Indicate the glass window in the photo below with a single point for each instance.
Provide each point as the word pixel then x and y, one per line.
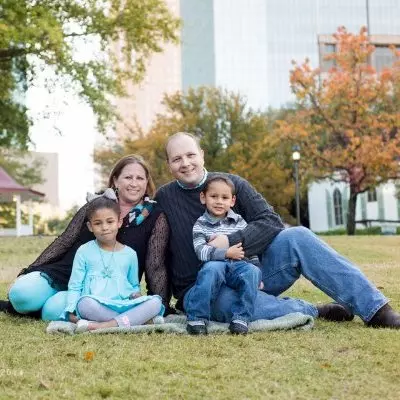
pixel 372 195
pixel 383 57
pixel 337 205
pixel 326 50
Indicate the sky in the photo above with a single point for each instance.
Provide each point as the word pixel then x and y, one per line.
pixel 66 125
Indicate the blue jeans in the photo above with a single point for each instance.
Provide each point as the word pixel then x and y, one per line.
pixel 295 252
pixel 240 276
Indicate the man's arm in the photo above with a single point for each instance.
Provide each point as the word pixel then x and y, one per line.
pixel 263 223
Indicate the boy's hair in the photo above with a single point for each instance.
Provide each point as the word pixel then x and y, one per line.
pixel 99 203
pixel 219 178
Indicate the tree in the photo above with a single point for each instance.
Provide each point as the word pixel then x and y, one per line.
pixel 348 119
pixel 234 138
pixel 47 32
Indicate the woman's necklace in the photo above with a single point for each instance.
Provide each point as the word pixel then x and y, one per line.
pixel 107 268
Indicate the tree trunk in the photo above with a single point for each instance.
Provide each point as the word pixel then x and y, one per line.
pixel 351 212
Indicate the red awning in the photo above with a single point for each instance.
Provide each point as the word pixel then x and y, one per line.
pixel 8 185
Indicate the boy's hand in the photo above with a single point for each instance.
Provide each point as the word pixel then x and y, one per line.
pixel 135 295
pixel 235 252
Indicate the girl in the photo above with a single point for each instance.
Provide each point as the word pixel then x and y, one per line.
pixel 103 290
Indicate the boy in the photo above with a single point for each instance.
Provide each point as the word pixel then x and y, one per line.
pixel 221 266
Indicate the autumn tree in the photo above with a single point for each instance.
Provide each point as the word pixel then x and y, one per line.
pixel 234 138
pixel 348 119
pixel 47 33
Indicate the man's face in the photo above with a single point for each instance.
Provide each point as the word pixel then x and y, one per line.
pixel 185 160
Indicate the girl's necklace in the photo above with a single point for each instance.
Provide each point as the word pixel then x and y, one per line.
pixel 107 268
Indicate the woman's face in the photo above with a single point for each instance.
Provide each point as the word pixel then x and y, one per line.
pixel 131 184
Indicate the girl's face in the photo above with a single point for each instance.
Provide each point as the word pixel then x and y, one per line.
pixel 131 184
pixel 104 223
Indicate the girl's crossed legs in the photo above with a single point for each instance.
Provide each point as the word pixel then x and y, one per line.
pixel 103 317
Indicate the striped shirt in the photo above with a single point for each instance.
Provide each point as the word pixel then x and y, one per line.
pixel 207 226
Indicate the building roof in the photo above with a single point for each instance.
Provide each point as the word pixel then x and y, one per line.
pixel 8 187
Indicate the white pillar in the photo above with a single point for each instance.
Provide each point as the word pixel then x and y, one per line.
pixel 30 213
pixel 17 199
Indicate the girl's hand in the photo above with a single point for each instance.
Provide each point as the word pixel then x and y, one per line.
pixel 73 318
pixel 135 295
pixel 235 252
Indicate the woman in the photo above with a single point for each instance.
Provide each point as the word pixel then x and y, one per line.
pixel 40 289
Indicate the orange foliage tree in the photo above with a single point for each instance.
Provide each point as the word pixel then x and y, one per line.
pixel 348 118
pixel 234 138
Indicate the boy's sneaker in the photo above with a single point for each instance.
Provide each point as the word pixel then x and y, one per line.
pixel 238 327
pixel 196 328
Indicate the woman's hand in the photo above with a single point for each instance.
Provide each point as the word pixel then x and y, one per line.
pixel 135 295
pixel 73 318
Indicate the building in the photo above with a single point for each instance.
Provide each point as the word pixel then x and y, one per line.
pixel 247 46
pixel 327 205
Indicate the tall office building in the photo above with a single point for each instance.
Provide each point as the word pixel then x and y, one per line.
pixel 247 46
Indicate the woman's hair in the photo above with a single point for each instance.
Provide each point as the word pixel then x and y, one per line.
pixel 132 159
pixel 219 178
pixel 100 203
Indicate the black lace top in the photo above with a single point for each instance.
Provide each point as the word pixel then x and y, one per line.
pixel 149 240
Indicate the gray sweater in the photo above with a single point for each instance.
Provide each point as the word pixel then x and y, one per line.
pixel 182 208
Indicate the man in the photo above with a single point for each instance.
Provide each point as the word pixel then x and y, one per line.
pixel 285 254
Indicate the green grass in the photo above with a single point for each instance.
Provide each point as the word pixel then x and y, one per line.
pixel 333 361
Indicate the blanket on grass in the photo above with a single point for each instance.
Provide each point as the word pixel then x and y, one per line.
pixel 177 324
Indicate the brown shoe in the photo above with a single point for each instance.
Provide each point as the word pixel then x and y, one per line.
pixel 334 312
pixel 385 317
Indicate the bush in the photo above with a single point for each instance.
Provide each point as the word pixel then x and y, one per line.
pixel 374 230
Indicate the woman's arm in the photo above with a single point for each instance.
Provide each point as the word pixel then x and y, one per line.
pixel 155 267
pixel 63 242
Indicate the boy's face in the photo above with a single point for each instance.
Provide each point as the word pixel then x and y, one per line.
pixel 218 199
pixel 104 223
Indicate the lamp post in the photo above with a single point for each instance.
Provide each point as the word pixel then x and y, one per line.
pixel 296 159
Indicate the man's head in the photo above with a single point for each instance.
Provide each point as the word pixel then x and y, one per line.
pixel 185 158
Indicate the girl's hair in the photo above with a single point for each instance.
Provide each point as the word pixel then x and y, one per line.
pixel 219 178
pixel 132 159
pixel 100 203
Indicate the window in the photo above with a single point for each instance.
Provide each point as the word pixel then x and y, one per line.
pixel 337 206
pixel 327 49
pixel 383 57
pixel 372 195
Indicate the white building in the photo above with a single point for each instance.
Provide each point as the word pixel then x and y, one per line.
pixel 328 202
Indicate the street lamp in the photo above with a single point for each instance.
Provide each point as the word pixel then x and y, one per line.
pixel 296 159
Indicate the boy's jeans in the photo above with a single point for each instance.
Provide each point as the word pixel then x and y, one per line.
pixel 295 252
pixel 240 276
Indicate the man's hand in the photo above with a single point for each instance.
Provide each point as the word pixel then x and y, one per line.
pixel 135 295
pixel 235 252
pixel 219 241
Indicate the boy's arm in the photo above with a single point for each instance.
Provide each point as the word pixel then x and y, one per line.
pixel 204 251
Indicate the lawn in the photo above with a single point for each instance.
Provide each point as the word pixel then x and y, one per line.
pixel 333 361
